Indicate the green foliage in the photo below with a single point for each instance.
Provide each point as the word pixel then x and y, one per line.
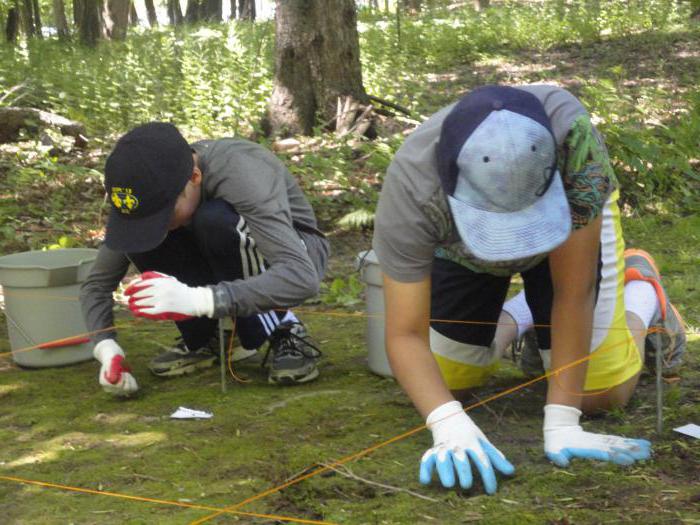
pixel 212 80
pixel 357 219
pixel 651 157
pixel 343 292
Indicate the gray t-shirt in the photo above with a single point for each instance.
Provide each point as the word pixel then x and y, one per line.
pixel 413 223
pixel 261 189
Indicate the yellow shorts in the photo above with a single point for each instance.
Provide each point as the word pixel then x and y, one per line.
pixel 466 361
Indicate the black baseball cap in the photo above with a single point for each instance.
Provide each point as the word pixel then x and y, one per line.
pixel 144 175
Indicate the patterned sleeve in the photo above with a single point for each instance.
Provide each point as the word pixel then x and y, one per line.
pixel 586 171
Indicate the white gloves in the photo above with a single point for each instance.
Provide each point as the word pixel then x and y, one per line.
pixel 456 437
pixel 564 439
pixel 158 296
pixel 115 375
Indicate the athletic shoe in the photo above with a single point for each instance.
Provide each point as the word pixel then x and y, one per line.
pixel 179 359
pixel 293 355
pixel 666 332
pixel 526 353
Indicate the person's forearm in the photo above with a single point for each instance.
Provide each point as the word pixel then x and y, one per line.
pixel 417 372
pixel 572 318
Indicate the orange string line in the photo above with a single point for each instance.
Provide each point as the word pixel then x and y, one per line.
pixel 230 356
pixel 394 439
pixel 61 340
pixel 306 311
pixel 161 501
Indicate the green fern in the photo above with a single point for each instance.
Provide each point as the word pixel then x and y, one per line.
pixel 357 219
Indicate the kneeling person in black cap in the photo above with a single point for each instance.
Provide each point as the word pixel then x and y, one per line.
pixel 219 228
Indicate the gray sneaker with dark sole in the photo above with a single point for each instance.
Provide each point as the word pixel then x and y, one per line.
pixel 292 356
pixel 180 360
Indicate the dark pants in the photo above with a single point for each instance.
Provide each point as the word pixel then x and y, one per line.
pixel 460 294
pixel 215 247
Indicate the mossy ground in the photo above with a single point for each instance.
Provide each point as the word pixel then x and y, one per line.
pixel 57 426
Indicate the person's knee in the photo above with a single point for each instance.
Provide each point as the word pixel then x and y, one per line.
pixel 605 400
pixel 215 221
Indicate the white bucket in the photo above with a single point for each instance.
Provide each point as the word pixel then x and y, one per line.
pixel 371 275
pixel 44 320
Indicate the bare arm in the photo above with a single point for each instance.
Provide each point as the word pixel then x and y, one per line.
pixel 574 268
pixel 408 344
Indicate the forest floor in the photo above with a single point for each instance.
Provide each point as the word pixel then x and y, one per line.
pixel 58 427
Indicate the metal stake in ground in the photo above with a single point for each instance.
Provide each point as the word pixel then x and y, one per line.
pixel 222 355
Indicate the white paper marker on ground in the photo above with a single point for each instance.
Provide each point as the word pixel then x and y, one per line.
pixel 190 413
pixel 690 429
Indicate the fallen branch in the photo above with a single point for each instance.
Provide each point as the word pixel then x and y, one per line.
pixel 391 105
pixel 347 473
pixel 13 119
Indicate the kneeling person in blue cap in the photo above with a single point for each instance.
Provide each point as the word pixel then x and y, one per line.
pixel 219 228
pixel 514 180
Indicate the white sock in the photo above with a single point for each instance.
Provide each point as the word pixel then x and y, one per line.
pixel 289 317
pixel 641 300
pixel 518 309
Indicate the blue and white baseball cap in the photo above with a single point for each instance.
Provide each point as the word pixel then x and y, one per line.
pixel 497 160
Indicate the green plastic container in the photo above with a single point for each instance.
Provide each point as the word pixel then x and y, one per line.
pixel 44 319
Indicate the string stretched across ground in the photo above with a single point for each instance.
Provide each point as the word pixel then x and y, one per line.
pixel 329 466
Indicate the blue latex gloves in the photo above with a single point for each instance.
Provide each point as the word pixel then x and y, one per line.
pixel 564 439
pixel 459 443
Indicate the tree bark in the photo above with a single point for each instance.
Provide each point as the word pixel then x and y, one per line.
pixel 194 11
pixel 246 10
pixel 37 19
pixel 27 17
pixel 412 6
pixel 212 10
pixel 175 13
pixel 317 61
pixel 133 15
pixel 13 119
pixel 59 15
pixel 90 22
pixel 151 11
pixel 77 12
pixel 12 26
pixel 116 18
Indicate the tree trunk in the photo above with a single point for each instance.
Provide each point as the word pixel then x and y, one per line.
pixel 232 14
pixel 77 12
pixel 90 22
pixel 116 18
pixel 480 5
pixel 194 11
pixel 37 18
pixel 12 27
pixel 246 10
pixel 59 15
pixel 412 6
pixel 151 11
pixel 27 17
pixel 175 12
pixel 317 61
pixel 133 15
pixel 212 10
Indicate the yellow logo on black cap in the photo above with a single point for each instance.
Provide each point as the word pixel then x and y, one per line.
pixel 124 199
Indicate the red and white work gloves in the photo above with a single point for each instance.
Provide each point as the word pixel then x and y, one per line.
pixel 158 296
pixel 115 375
